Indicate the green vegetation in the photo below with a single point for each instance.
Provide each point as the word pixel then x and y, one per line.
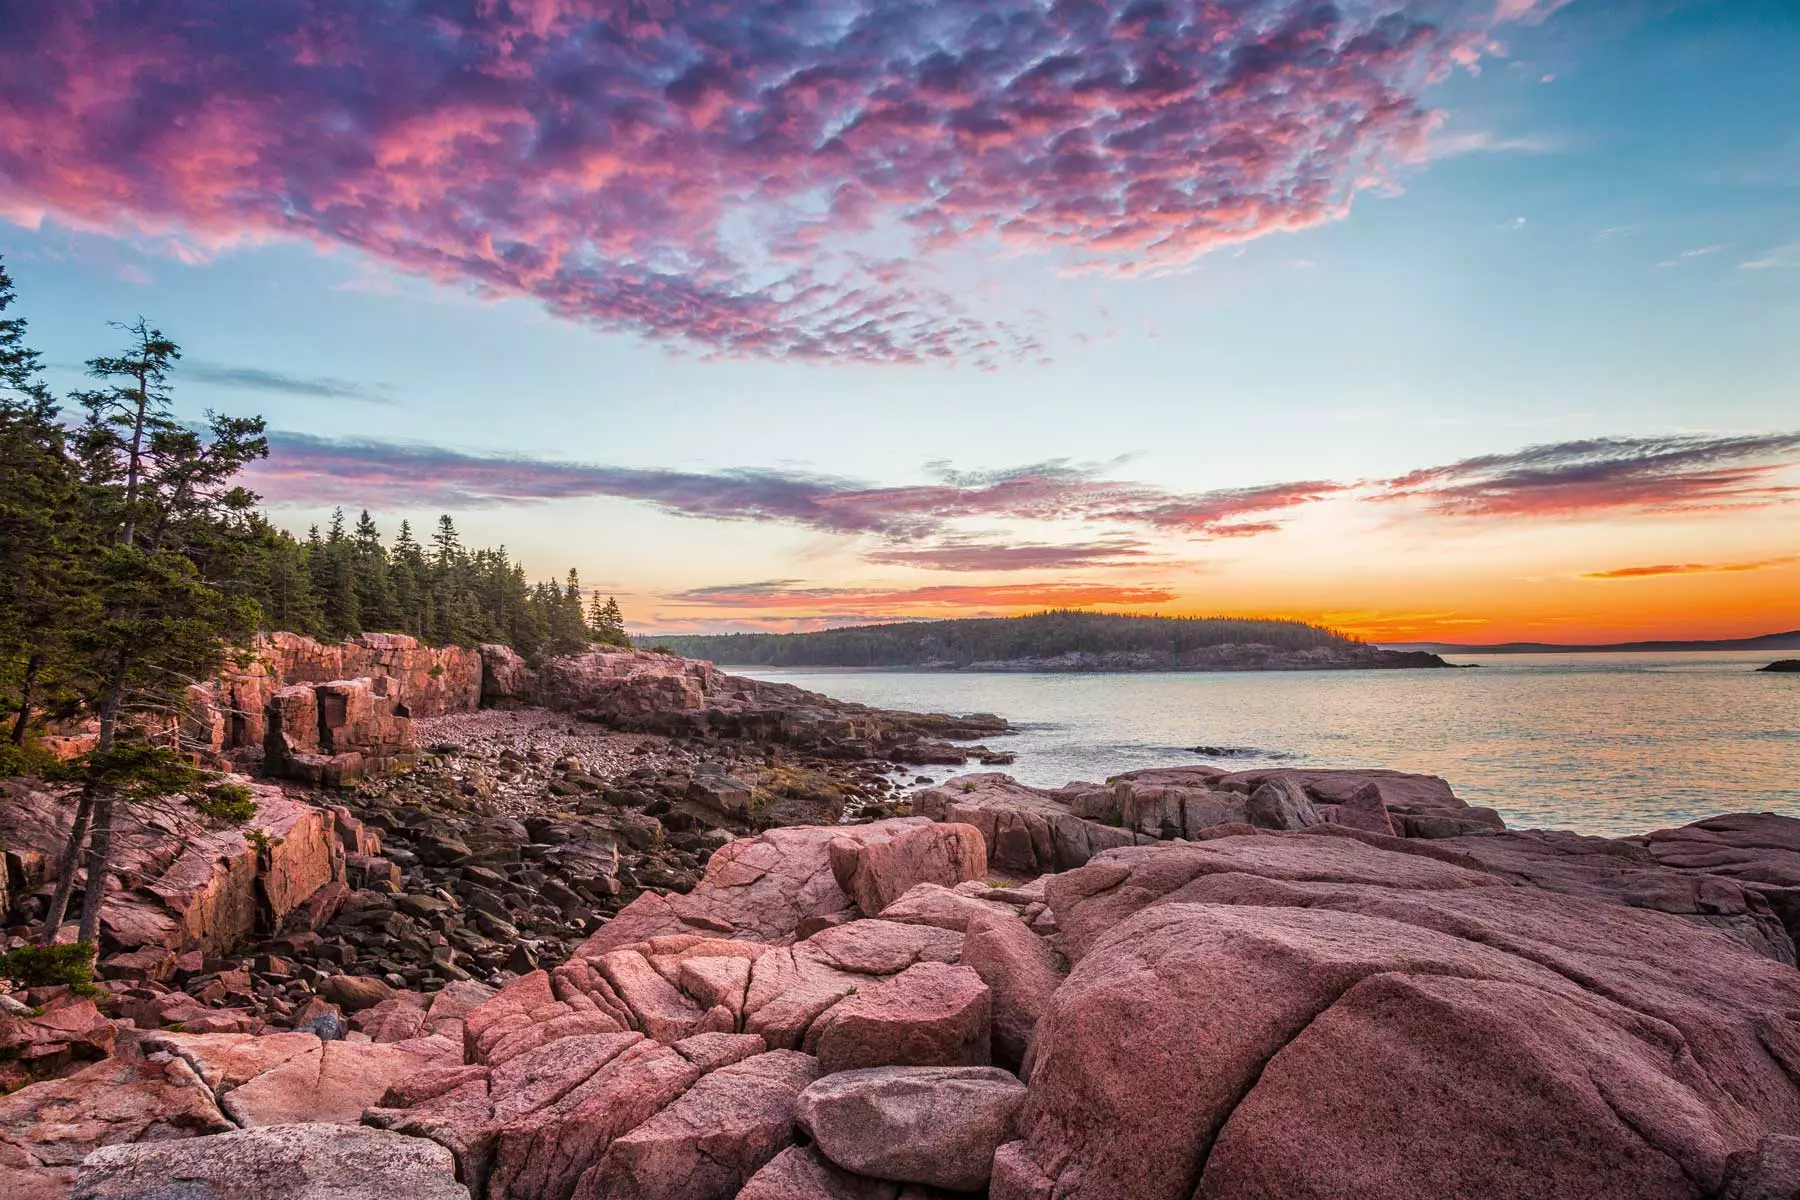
pixel 998 639
pixel 346 581
pixel 132 557
pixel 70 963
pixel 227 803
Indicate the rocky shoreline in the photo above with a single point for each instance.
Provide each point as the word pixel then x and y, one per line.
pixel 670 935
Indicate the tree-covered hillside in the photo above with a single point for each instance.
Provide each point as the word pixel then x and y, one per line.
pixel 1064 640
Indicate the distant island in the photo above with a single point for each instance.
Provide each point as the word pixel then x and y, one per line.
pixel 1768 641
pixel 1055 641
pixel 1788 666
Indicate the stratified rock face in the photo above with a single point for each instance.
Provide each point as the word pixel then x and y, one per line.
pixel 69 1030
pixel 195 886
pixel 227 717
pixel 335 734
pixel 292 1162
pixel 1302 1017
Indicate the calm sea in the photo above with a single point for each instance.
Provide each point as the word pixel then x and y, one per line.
pixel 1600 743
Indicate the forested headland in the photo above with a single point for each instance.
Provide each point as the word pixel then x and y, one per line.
pixel 1063 640
pixel 132 554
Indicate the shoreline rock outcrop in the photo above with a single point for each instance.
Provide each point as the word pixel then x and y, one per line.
pixel 532 967
pixel 650 692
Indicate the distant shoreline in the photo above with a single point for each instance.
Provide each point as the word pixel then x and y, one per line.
pixel 1768 641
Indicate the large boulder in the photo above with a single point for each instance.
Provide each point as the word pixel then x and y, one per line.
pixel 1421 806
pixel 875 873
pixel 1026 830
pixel 760 889
pixel 930 1014
pixel 707 1144
pixel 46 1129
pixel 931 1125
pixel 292 1162
pixel 1022 972
pixel 1295 1016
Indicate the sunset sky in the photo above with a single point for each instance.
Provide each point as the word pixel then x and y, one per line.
pixel 1465 320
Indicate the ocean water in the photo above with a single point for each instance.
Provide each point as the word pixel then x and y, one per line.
pixel 1599 743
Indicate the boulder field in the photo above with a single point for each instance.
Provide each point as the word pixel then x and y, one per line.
pixel 883 1010
pixel 689 962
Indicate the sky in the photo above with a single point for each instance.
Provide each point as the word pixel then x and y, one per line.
pixel 1431 320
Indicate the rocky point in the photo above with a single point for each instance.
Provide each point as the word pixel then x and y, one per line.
pixel 640 930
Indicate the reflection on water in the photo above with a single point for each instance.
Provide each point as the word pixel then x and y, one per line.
pixel 1601 743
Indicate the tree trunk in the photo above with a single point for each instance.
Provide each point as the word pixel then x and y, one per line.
pixel 26 690
pixel 99 856
pixel 99 865
pixel 65 872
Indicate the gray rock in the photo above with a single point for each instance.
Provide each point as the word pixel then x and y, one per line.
pixel 931 1125
pixel 282 1162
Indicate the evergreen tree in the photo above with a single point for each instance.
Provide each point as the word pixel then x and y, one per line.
pixel 157 490
pixel 336 577
pixel 608 622
pixel 374 587
pixel 43 597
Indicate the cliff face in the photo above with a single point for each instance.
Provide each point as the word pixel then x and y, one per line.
pixel 228 716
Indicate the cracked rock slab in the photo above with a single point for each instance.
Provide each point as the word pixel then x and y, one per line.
pixel 290 1162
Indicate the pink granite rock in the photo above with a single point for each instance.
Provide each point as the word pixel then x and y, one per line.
pixel 930 1014
pixel 1234 1003
pixel 46 1129
pixel 877 873
pixel 1022 972
pixel 707 1144
pixel 931 1125
pixel 759 889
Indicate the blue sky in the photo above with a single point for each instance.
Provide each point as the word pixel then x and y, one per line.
pixel 1599 238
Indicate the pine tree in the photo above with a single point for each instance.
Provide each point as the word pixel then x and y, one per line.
pixel 160 626
pixel 608 622
pixel 374 588
pixel 43 597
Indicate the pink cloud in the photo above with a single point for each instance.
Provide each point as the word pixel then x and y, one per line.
pixel 706 173
pixel 1681 473
pixel 778 594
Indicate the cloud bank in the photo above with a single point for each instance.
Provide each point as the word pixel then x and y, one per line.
pixel 912 523
pixel 1599 475
pixel 750 179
